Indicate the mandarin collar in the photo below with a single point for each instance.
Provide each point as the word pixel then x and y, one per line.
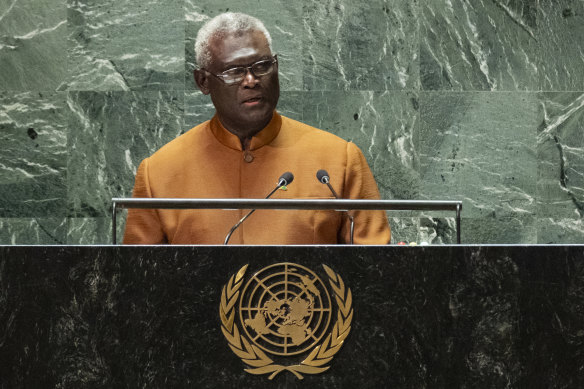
pixel 265 136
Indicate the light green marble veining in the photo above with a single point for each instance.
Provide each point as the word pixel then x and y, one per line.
pixel 561 43
pixel 478 45
pixel 33 230
pixel 480 148
pixel 33 156
pixel 95 230
pixel 501 230
pixel 130 45
pixel 368 45
pixel 109 135
pixel 198 108
pixel 560 148
pixel 382 125
pixel 429 229
pixel 502 45
pixel 556 230
pixel 33 44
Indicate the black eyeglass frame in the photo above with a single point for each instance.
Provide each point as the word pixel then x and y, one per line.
pixel 222 76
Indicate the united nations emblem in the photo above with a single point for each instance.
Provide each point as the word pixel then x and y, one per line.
pixel 285 311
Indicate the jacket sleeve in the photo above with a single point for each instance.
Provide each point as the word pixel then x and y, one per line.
pixel 371 227
pixel 143 225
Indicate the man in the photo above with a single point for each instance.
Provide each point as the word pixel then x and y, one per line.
pixel 241 152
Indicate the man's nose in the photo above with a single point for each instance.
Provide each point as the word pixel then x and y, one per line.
pixel 250 80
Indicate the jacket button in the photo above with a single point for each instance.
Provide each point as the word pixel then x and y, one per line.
pixel 247 157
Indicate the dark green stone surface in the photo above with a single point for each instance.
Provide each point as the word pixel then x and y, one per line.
pixel 109 134
pixel 560 152
pixel 560 230
pixel 479 45
pixel 561 41
pixel 367 45
pixel 480 101
pixel 481 150
pixel 132 45
pixel 33 44
pixel 94 230
pixel 41 230
pixel 33 157
pixel 382 125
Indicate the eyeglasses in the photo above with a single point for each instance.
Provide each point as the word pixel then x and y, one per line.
pixel 237 74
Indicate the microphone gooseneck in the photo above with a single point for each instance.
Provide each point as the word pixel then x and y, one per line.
pixel 323 176
pixel 285 179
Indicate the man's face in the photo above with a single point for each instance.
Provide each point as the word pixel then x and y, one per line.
pixel 246 107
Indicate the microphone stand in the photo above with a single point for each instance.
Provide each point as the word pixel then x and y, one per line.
pixel 283 181
pixel 326 180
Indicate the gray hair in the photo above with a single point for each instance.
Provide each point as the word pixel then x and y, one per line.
pixel 225 24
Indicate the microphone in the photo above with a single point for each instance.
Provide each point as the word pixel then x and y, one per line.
pixel 323 176
pixel 285 179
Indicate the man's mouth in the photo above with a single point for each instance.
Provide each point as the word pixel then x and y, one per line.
pixel 252 101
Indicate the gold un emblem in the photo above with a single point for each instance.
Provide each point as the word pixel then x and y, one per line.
pixel 285 311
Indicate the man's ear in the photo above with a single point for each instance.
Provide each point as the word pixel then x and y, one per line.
pixel 202 80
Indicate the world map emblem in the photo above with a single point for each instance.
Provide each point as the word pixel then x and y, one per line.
pixel 279 319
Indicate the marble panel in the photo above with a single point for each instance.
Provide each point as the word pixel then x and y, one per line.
pixel 33 138
pixel 513 229
pixel 403 229
pixel 479 45
pixel 362 45
pixel 95 230
pixel 436 230
pixel 109 135
pixel 440 230
pixel 33 45
pixel 382 125
pixel 561 42
pixel 432 230
pixel 560 231
pixel 560 153
pixel 129 45
pixel 198 108
pixel 282 19
pixel 291 104
pixel 33 231
pixel 480 148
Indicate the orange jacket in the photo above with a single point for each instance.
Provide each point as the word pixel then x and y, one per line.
pixel 208 162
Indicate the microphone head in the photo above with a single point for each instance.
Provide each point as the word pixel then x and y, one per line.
pixel 286 179
pixel 323 176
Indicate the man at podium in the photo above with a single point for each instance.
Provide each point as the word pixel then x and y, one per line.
pixel 241 152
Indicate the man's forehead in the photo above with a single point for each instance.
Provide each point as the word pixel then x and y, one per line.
pixel 227 48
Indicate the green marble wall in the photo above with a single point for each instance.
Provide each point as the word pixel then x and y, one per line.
pixel 480 101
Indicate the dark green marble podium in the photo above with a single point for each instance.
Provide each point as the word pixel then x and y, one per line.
pixel 439 317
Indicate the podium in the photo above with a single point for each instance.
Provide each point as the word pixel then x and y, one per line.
pixel 432 316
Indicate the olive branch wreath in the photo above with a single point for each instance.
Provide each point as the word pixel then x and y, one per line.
pixel 259 362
